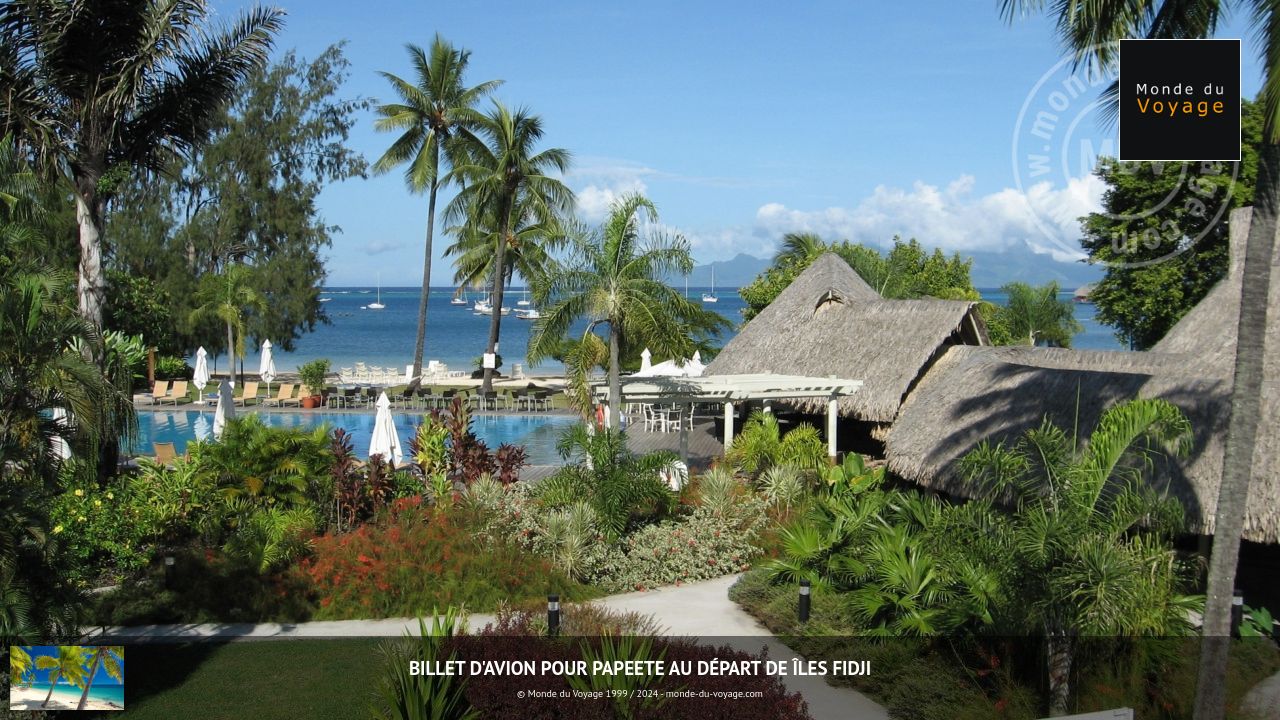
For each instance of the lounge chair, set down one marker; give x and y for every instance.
(160, 390)
(303, 392)
(247, 393)
(165, 452)
(286, 393)
(177, 393)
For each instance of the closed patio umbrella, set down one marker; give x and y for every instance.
(385, 441)
(201, 376)
(645, 363)
(60, 445)
(267, 365)
(226, 408)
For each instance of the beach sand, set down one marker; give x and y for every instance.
(30, 699)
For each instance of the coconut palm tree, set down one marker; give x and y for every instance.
(19, 665)
(99, 90)
(801, 247)
(225, 296)
(528, 250)
(614, 276)
(110, 657)
(1091, 30)
(503, 174)
(1036, 315)
(428, 114)
(67, 664)
(1090, 546)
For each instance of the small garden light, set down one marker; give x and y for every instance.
(803, 609)
(553, 615)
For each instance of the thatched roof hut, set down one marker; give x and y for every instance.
(972, 394)
(829, 322)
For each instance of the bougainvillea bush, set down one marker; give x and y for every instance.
(418, 557)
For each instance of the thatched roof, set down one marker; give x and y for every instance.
(972, 394)
(829, 322)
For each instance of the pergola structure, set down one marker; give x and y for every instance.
(731, 389)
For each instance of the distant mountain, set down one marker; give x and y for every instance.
(990, 270)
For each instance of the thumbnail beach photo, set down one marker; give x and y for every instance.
(66, 677)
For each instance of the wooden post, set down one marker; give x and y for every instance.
(151, 367)
(833, 413)
(684, 436)
(728, 424)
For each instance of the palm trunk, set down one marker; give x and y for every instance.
(420, 345)
(1242, 431)
(1059, 663)
(92, 284)
(495, 297)
(84, 696)
(231, 353)
(615, 380)
(53, 683)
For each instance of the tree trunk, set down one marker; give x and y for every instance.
(84, 696)
(92, 284)
(1242, 431)
(420, 345)
(615, 380)
(495, 297)
(231, 353)
(1059, 662)
(53, 683)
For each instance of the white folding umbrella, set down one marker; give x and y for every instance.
(695, 368)
(385, 441)
(201, 376)
(226, 408)
(60, 445)
(645, 365)
(267, 365)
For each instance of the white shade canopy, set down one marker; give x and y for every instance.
(201, 376)
(226, 408)
(385, 441)
(267, 365)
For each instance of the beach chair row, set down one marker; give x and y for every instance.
(179, 392)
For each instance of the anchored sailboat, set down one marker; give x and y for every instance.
(711, 296)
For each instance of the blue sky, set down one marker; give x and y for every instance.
(742, 122)
(101, 677)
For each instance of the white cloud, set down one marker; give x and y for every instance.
(1043, 218)
(594, 200)
(377, 247)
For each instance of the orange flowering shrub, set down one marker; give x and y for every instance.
(417, 559)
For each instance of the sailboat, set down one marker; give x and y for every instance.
(711, 296)
(377, 305)
(459, 297)
(524, 301)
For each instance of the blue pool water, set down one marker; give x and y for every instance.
(538, 433)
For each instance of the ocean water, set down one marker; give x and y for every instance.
(457, 336)
(102, 692)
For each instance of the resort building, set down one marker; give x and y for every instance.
(829, 323)
(972, 394)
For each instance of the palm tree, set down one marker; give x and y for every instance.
(801, 247)
(614, 277)
(503, 174)
(428, 114)
(527, 249)
(1090, 544)
(98, 90)
(110, 657)
(19, 665)
(1037, 315)
(1091, 30)
(67, 664)
(226, 296)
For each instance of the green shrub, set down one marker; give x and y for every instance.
(416, 559)
(269, 466)
(405, 695)
(172, 367)
(101, 531)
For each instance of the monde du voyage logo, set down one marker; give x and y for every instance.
(1180, 100)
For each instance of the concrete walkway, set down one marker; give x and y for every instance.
(699, 610)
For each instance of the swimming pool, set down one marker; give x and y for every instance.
(538, 433)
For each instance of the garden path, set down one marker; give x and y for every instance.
(702, 610)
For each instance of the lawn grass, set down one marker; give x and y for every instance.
(319, 679)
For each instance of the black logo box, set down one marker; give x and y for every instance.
(1186, 69)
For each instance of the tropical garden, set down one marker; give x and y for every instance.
(1061, 588)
